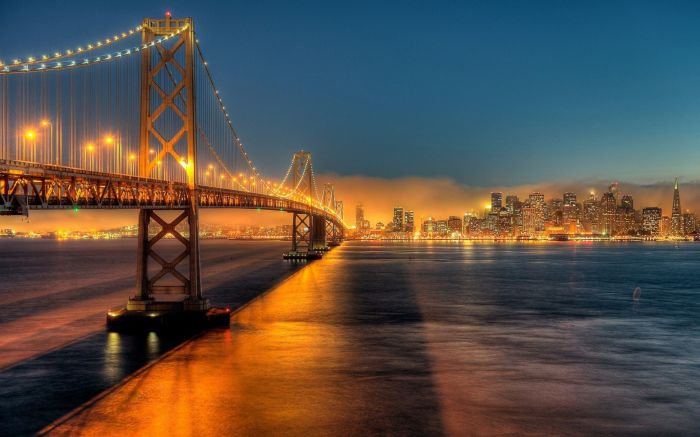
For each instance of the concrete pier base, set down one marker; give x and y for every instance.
(303, 256)
(156, 315)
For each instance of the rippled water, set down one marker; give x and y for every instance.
(430, 339)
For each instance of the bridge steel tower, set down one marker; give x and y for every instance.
(308, 230)
(328, 201)
(167, 85)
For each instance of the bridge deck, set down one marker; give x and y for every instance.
(28, 186)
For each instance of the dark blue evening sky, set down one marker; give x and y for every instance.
(488, 93)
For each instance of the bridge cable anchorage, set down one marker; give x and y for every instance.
(61, 63)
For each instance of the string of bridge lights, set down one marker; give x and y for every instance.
(63, 65)
(80, 49)
(289, 171)
(57, 62)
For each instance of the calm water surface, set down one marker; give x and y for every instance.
(432, 339)
(54, 351)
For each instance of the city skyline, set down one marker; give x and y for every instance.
(610, 213)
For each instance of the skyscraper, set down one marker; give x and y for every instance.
(608, 212)
(689, 223)
(651, 221)
(398, 219)
(591, 214)
(676, 214)
(536, 201)
(627, 202)
(570, 213)
(359, 215)
(614, 189)
(569, 199)
(496, 202)
(408, 223)
(511, 201)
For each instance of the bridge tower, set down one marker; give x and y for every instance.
(168, 92)
(328, 201)
(308, 230)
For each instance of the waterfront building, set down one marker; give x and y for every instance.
(651, 221)
(676, 216)
(379, 226)
(398, 219)
(665, 226)
(491, 223)
(530, 220)
(428, 227)
(625, 221)
(408, 222)
(515, 209)
(465, 222)
(689, 223)
(505, 223)
(536, 201)
(454, 224)
(441, 227)
(474, 226)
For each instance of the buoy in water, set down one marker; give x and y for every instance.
(637, 293)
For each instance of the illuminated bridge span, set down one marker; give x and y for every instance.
(135, 121)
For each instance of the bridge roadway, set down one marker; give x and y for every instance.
(31, 186)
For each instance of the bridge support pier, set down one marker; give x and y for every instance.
(308, 236)
(333, 234)
(168, 282)
(318, 237)
(163, 283)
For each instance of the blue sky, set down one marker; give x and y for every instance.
(487, 93)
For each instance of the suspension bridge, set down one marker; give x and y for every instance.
(135, 121)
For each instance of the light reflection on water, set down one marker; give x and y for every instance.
(113, 364)
(430, 339)
(54, 352)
